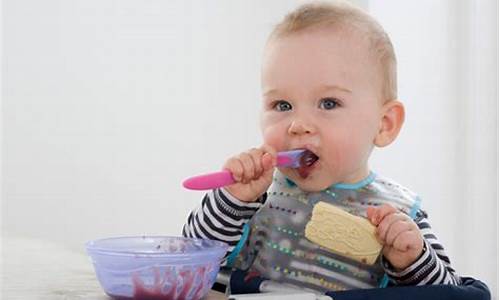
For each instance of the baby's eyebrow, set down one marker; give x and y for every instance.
(322, 88)
(270, 92)
(326, 87)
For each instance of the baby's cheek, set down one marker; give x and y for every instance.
(274, 136)
(354, 149)
(339, 152)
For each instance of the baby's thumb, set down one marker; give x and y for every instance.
(370, 213)
(267, 162)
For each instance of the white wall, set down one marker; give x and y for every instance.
(448, 79)
(109, 105)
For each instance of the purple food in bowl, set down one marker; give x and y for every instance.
(156, 267)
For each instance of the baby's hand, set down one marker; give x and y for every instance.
(253, 172)
(399, 234)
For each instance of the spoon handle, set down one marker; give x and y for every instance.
(219, 179)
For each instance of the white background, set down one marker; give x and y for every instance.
(109, 105)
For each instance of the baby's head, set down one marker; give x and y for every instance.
(329, 85)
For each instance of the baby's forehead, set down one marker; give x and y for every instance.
(328, 43)
(347, 25)
(310, 59)
(349, 35)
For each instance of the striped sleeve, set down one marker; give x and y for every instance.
(221, 217)
(432, 267)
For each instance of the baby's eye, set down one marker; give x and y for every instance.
(328, 103)
(282, 105)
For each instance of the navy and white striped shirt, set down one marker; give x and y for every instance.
(222, 217)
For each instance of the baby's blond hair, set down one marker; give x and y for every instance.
(344, 15)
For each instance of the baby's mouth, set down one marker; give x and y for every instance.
(307, 162)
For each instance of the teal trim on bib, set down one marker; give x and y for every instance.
(344, 186)
(354, 186)
(290, 183)
(414, 209)
(385, 281)
(239, 246)
(412, 214)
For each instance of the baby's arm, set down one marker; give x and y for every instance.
(412, 253)
(221, 217)
(432, 267)
(224, 212)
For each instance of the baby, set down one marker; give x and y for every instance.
(328, 86)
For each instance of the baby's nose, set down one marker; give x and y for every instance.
(299, 127)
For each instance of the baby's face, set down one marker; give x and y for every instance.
(322, 91)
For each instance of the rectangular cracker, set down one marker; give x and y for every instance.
(343, 233)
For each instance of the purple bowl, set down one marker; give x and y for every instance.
(156, 267)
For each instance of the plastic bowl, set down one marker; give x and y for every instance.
(156, 267)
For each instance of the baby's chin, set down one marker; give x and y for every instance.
(312, 187)
(310, 183)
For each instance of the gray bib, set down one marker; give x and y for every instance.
(276, 247)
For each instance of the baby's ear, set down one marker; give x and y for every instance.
(393, 116)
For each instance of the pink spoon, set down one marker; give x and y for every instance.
(287, 159)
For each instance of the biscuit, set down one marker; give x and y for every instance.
(343, 233)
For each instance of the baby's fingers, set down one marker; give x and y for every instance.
(267, 162)
(235, 166)
(248, 167)
(377, 214)
(257, 156)
(406, 240)
(396, 229)
(269, 158)
(385, 225)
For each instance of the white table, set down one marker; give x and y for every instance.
(37, 269)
